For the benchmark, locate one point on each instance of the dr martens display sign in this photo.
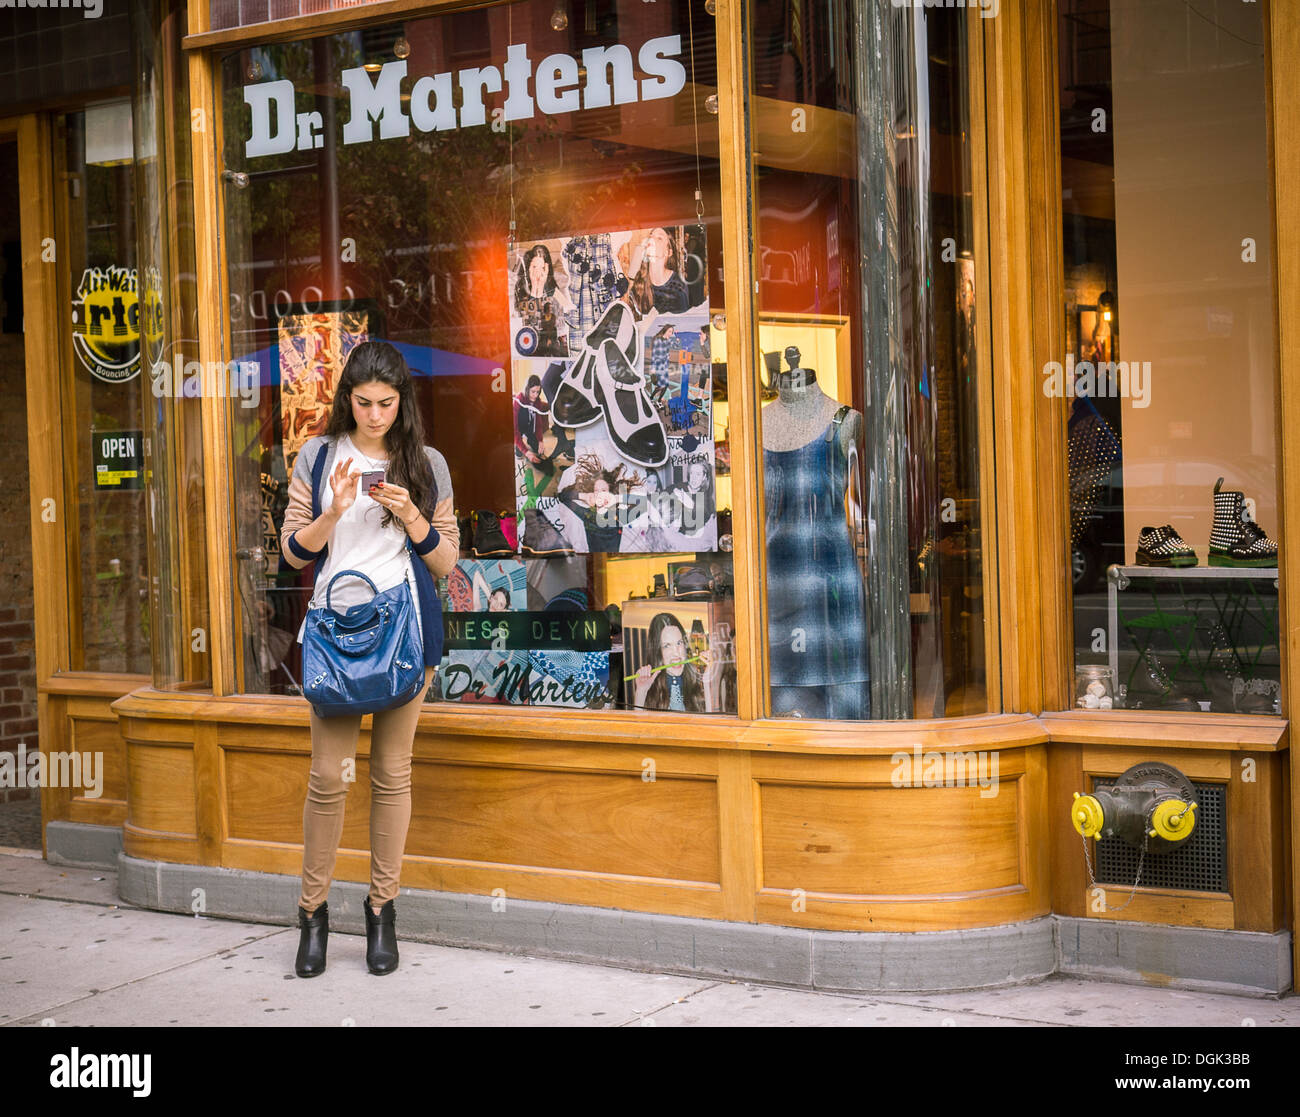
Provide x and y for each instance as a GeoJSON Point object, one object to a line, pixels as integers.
{"type": "Point", "coordinates": [559, 83]}
{"type": "Point", "coordinates": [109, 322]}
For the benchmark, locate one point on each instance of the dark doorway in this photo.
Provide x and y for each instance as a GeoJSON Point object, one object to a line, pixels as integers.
{"type": "Point", "coordinates": [20, 808]}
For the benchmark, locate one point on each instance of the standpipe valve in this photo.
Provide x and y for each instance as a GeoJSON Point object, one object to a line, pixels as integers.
{"type": "Point", "coordinates": [1151, 806]}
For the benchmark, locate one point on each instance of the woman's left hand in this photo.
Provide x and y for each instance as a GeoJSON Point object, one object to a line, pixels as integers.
{"type": "Point", "coordinates": [397, 500]}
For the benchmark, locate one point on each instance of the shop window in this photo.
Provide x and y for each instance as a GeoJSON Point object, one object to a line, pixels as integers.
{"type": "Point", "coordinates": [866, 270]}
{"type": "Point", "coordinates": [552, 287]}
{"type": "Point", "coordinates": [172, 423]}
{"type": "Point", "coordinates": [1168, 375]}
{"type": "Point", "coordinates": [109, 609]}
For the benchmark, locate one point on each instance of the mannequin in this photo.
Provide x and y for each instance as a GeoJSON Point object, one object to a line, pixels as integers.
{"type": "Point", "coordinates": [817, 633]}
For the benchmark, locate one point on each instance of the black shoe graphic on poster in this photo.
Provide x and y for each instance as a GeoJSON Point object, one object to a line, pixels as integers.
{"type": "Point", "coordinates": [575, 402]}
{"type": "Point", "coordinates": [634, 426]}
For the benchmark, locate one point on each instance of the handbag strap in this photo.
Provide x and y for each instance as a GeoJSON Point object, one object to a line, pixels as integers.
{"type": "Point", "coordinates": [343, 574]}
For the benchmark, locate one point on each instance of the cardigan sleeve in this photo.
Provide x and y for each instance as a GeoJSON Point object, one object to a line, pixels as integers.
{"type": "Point", "coordinates": [298, 515]}
{"type": "Point", "coordinates": [441, 557]}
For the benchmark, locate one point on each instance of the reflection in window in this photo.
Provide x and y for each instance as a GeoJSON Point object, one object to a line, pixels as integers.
{"type": "Point", "coordinates": [514, 206]}
{"type": "Point", "coordinates": [870, 422]}
{"type": "Point", "coordinates": [1169, 369]}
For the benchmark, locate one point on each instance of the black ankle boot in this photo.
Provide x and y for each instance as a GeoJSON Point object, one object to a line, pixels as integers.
{"type": "Point", "coordinates": [311, 946]}
{"type": "Point", "coordinates": [381, 938]}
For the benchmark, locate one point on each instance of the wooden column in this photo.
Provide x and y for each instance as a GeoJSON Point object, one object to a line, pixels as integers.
{"type": "Point", "coordinates": [212, 318]}
{"type": "Point", "coordinates": [1282, 46]}
{"type": "Point", "coordinates": [1028, 331]}
{"type": "Point", "coordinates": [738, 224]}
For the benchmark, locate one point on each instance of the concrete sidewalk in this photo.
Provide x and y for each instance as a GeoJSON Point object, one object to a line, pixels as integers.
{"type": "Point", "coordinates": [71, 952]}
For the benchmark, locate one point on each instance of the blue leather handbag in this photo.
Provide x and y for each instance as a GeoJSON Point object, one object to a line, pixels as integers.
{"type": "Point", "coordinates": [366, 660]}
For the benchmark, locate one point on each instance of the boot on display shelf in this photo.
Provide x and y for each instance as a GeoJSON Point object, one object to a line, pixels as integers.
{"type": "Point", "coordinates": [1235, 539]}
{"type": "Point", "coordinates": [1163, 546]}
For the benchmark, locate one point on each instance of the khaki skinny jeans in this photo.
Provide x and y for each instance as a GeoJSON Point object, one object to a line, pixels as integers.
{"type": "Point", "coordinates": [333, 741]}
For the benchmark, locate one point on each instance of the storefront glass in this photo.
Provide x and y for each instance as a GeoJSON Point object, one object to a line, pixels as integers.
{"type": "Point", "coordinates": [108, 322]}
{"type": "Point", "coordinates": [524, 200]}
{"type": "Point", "coordinates": [173, 442]}
{"type": "Point", "coordinates": [870, 380]}
{"type": "Point", "coordinates": [1169, 373]}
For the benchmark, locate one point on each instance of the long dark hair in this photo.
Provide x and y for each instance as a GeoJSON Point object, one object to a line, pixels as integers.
{"type": "Point", "coordinates": [407, 464]}
{"type": "Point", "coordinates": [521, 284]}
{"type": "Point", "coordinates": [590, 469]}
{"type": "Point", "coordinates": [659, 694]}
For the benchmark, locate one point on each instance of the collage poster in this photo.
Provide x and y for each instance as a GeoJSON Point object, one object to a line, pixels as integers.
{"type": "Point", "coordinates": [313, 348]}
{"type": "Point", "coordinates": [612, 380]}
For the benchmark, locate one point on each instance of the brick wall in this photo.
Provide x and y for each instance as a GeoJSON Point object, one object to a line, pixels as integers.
{"type": "Point", "coordinates": [17, 622]}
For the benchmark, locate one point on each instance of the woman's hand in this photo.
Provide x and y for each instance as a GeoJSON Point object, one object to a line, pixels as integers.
{"type": "Point", "coordinates": [343, 483]}
{"type": "Point", "coordinates": [397, 500]}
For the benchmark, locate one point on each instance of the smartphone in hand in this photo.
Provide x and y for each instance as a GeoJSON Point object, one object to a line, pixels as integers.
{"type": "Point", "coordinates": [370, 478]}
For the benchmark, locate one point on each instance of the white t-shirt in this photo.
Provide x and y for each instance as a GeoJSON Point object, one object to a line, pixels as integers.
{"type": "Point", "coordinates": [360, 543]}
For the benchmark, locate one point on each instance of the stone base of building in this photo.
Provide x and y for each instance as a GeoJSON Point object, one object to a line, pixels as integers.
{"type": "Point", "coordinates": [82, 845]}
{"type": "Point", "coordinates": [1234, 962]}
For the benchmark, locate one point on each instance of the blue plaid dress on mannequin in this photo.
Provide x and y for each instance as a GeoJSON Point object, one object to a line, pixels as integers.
{"type": "Point", "coordinates": [816, 607]}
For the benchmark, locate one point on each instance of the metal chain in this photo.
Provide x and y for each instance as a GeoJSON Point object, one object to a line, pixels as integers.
{"type": "Point", "coordinates": [695, 118]}
{"type": "Point", "coordinates": [1087, 860]}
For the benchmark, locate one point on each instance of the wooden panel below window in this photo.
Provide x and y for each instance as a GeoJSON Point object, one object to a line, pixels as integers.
{"type": "Point", "coordinates": [160, 786]}
{"type": "Point", "coordinates": [936, 842]}
{"type": "Point", "coordinates": [597, 822]}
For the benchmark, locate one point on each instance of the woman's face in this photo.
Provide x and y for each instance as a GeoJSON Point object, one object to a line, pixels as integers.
{"type": "Point", "coordinates": [534, 392]}
{"type": "Point", "coordinates": [374, 407]}
{"type": "Point", "coordinates": [537, 272]}
{"type": "Point", "coordinates": [672, 648]}
{"type": "Point", "coordinates": [497, 602]}
{"type": "Point", "coordinates": [662, 245]}
{"type": "Point", "coordinates": [601, 497]}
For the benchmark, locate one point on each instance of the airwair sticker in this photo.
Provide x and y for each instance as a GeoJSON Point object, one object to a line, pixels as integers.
{"type": "Point", "coordinates": [107, 322]}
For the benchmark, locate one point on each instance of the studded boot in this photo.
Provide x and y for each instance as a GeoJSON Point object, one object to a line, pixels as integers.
{"type": "Point", "coordinates": [1235, 539]}
{"type": "Point", "coordinates": [1163, 546]}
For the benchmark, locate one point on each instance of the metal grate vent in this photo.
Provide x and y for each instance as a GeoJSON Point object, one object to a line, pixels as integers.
{"type": "Point", "coordinates": [1200, 864]}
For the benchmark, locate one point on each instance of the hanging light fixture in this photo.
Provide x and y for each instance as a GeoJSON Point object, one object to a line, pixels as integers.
{"type": "Point", "coordinates": [560, 16]}
{"type": "Point", "coordinates": [402, 48]}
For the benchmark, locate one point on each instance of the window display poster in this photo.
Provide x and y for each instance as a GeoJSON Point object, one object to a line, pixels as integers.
{"type": "Point", "coordinates": [313, 347]}
{"type": "Point", "coordinates": [612, 384]}
{"type": "Point", "coordinates": [508, 653]}
{"type": "Point", "coordinates": [488, 674]}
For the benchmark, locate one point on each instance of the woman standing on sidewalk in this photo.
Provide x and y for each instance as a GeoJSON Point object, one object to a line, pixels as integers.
{"type": "Point", "coordinates": [374, 424]}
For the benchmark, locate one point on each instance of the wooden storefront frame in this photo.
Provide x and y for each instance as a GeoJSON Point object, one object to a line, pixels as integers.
{"type": "Point", "coordinates": [1019, 299]}
{"type": "Point", "coordinates": [1282, 49]}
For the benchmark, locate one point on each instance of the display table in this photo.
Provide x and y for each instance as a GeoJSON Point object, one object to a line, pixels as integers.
{"type": "Point", "coordinates": [1193, 627]}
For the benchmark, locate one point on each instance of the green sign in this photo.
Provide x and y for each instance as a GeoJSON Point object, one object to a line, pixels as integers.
{"type": "Point", "coordinates": [118, 458]}
{"type": "Point", "coordinates": [567, 630]}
